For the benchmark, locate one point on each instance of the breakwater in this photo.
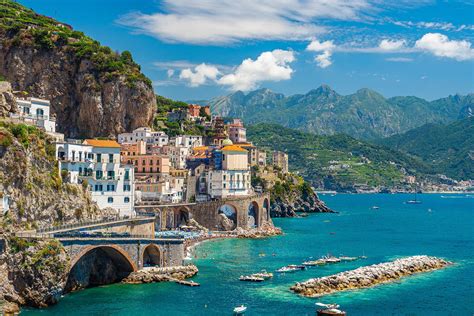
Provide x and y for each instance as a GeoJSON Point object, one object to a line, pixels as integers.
{"type": "Point", "coordinates": [157, 274]}
{"type": "Point", "coordinates": [368, 276]}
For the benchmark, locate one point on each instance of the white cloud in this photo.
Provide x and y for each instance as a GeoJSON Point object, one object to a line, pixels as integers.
{"type": "Point", "coordinates": [323, 60]}
{"type": "Point", "coordinates": [170, 73]}
{"type": "Point", "coordinates": [400, 59]}
{"type": "Point", "coordinates": [269, 66]}
{"type": "Point", "coordinates": [228, 21]}
{"type": "Point", "coordinates": [199, 75]}
{"type": "Point", "coordinates": [390, 45]}
{"type": "Point", "coordinates": [440, 45]}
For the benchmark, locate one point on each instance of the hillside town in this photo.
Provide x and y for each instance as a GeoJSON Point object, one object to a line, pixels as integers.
{"type": "Point", "coordinates": [147, 167]}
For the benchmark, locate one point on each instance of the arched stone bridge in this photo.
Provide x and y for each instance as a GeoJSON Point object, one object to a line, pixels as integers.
{"type": "Point", "coordinates": [244, 212]}
{"type": "Point", "coordinates": [96, 261]}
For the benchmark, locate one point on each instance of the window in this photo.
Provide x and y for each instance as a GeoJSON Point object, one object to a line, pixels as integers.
{"type": "Point", "coordinates": [98, 187]}
{"type": "Point", "coordinates": [98, 174]}
{"type": "Point", "coordinates": [39, 112]}
{"type": "Point", "coordinates": [26, 110]}
{"type": "Point", "coordinates": [111, 158]}
{"type": "Point", "coordinates": [224, 185]}
{"type": "Point", "coordinates": [143, 162]}
{"type": "Point", "coordinates": [126, 200]}
{"type": "Point", "coordinates": [224, 177]}
{"type": "Point", "coordinates": [143, 170]}
{"type": "Point", "coordinates": [110, 200]}
{"type": "Point", "coordinates": [151, 162]}
{"type": "Point", "coordinates": [126, 187]}
{"type": "Point", "coordinates": [127, 174]}
{"type": "Point", "coordinates": [99, 157]}
{"type": "Point", "coordinates": [223, 157]}
{"type": "Point", "coordinates": [110, 187]}
{"type": "Point", "coordinates": [110, 174]}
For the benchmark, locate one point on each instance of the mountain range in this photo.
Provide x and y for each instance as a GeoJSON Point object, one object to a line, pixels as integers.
{"type": "Point", "coordinates": [339, 162]}
{"type": "Point", "coordinates": [449, 149]}
{"type": "Point", "coordinates": [365, 114]}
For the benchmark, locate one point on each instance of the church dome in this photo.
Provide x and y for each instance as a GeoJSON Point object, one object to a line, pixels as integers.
{"type": "Point", "coordinates": [227, 142]}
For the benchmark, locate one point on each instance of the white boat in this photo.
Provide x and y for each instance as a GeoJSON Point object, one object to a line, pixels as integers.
{"type": "Point", "coordinates": [264, 275]}
{"type": "Point", "coordinates": [291, 268]}
{"type": "Point", "coordinates": [251, 278]}
{"type": "Point", "coordinates": [375, 207]}
{"type": "Point", "coordinates": [240, 309]}
{"type": "Point", "coordinates": [344, 258]}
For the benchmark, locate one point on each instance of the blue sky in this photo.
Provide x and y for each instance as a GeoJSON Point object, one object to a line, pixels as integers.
{"type": "Point", "coordinates": [201, 49]}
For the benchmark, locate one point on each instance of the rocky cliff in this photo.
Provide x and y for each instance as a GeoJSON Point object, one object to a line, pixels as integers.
{"type": "Point", "coordinates": [34, 272]}
{"type": "Point", "coordinates": [289, 207]}
{"type": "Point", "coordinates": [93, 90]}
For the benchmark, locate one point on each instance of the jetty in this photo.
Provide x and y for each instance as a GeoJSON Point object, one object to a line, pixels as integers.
{"type": "Point", "coordinates": [368, 276]}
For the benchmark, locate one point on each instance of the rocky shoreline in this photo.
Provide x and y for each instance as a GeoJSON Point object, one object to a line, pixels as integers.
{"type": "Point", "coordinates": [368, 276]}
{"type": "Point", "coordinates": [157, 274]}
{"type": "Point", "coordinates": [303, 203]}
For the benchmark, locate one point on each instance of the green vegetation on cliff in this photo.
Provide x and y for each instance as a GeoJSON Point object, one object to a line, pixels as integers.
{"type": "Point", "coordinates": [449, 149]}
{"type": "Point", "coordinates": [30, 177]}
{"type": "Point", "coordinates": [21, 24]}
{"type": "Point", "coordinates": [337, 162]}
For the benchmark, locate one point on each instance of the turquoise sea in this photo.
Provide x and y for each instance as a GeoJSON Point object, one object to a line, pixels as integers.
{"type": "Point", "coordinates": [443, 225]}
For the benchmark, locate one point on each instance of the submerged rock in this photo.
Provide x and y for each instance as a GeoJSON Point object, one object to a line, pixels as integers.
{"type": "Point", "coordinates": [368, 276]}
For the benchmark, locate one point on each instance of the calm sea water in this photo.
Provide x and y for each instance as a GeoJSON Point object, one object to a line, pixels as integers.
{"type": "Point", "coordinates": [442, 226]}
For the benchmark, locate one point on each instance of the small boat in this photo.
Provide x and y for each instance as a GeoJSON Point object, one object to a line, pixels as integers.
{"type": "Point", "coordinates": [329, 309]}
{"type": "Point", "coordinates": [240, 309]}
{"type": "Point", "coordinates": [318, 262]}
{"type": "Point", "coordinates": [344, 258]}
{"type": "Point", "coordinates": [362, 257]}
{"type": "Point", "coordinates": [264, 275]}
{"type": "Point", "coordinates": [414, 201]}
{"type": "Point", "coordinates": [332, 260]}
{"type": "Point", "coordinates": [291, 268]}
{"type": "Point", "coordinates": [251, 278]}
{"type": "Point", "coordinates": [375, 207]}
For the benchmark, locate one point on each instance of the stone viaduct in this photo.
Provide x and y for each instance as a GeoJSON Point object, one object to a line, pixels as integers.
{"type": "Point", "coordinates": [244, 212]}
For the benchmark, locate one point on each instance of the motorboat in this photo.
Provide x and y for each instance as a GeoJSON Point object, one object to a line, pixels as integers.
{"type": "Point", "coordinates": [311, 263]}
{"type": "Point", "coordinates": [344, 258]}
{"type": "Point", "coordinates": [240, 309]}
{"type": "Point", "coordinates": [329, 309]}
{"type": "Point", "coordinates": [251, 278]}
{"type": "Point", "coordinates": [375, 207]}
{"type": "Point", "coordinates": [291, 268]}
{"type": "Point", "coordinates": [264, 275]}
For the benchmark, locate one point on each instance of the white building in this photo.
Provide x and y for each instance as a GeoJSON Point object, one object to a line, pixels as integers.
{"type": "Point", "coordinates": [188, 141]}
{"type": "Point", "coordinates": [234, 178]}
{"type": "Point", "coordinates": [98, 162]}
{"type": "Point", "coordinates": [144, 134]}
{"type": "Point", "coordinates": [35, 112]}
{"type": "Point", "coordinates": [177, 155]}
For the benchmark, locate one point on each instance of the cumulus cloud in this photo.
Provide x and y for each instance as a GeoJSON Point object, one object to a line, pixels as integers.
{"type": "Point", "coordinates": [200, 75]}
{"type": "Point", "coordinates": [170, 73]}
{"type": "Point", "coordinates": [269, 66]}
{"type": "Point", "coordinates": [440, 45]}
{"type": "Point", "coordinates": [228, 21]}
{"type": "Point", "coordinates": [324, 59]}
{"type": "Point", "coordinates": [391, 45]}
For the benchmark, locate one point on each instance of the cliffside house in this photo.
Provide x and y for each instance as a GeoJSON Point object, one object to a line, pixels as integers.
{"type": "Point", "coordinates": [97, 163]}
{"type": "Point", "coordinates": [146, 135]}
{"type": "Point", "coordinates": [34, 111]}
{"type": "Point", "coordinates": [237, 132]}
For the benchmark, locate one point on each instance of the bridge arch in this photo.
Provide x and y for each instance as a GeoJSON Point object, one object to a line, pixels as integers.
{"type": "Point", "coordinates": [152, 256]}
{"type": "Point", "coordinates": [253, 215]}
{"type": "Point", "coordinates": [99, 265]}
{"type": "Point", "coordinates": [228, 217]}
{"type": "Point", "coordinates": [182, 216]}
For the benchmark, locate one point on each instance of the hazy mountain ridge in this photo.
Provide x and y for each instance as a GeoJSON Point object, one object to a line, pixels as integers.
{"type": "Point", "coordinates": [365, 114]}
{"type": "Point", "coordinates": [448, 148]}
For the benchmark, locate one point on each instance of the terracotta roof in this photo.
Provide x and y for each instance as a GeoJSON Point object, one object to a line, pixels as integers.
{"type": "Point", "coordinates": [201, 148]}
{"type": "Point", "coordinates": [102, 143]}
{"type": "Point", "coordinates": [233, 148]}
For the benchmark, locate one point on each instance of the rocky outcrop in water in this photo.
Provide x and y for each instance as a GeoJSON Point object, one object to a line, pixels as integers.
{"type": "Point", "coordinates": [165, 274]}
{"type": "Point", "coordinates": [309, 203]}
{"type": "Point", "coordinates": [369, 276]}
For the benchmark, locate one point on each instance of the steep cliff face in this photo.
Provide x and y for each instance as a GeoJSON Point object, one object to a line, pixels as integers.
{"type": "Point", "coordinates": [93, 90]}
{"type": "Point", "coordinates": [7, 99]}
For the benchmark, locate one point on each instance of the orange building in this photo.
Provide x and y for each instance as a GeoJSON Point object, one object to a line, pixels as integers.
{"type": "Point", "coordinates": [193, 110]}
